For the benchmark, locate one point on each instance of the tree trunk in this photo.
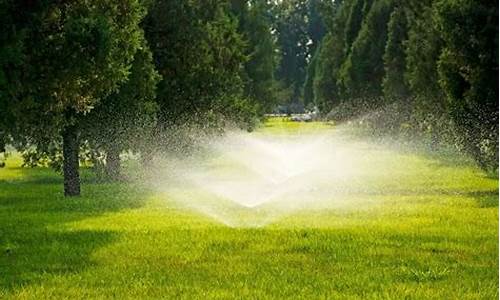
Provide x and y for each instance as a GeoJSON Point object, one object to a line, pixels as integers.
{"type": "Point", "coordinates": [71, 162]}
{"type": "Point", "coordinates": [113, 164]}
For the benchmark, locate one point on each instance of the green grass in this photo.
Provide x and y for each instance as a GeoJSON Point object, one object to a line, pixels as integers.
{"type": "Point", "coordinates": [431, 231]}
{"type": "Point", "coordinates": [283, 125]}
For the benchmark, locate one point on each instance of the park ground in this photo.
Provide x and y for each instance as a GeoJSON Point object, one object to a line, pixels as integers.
{"type": "Point", "coordinates": [433, 234]}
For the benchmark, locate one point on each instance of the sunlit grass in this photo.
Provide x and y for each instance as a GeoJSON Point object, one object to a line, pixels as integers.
{"type": "Point", "coordinates": [428, 229]}
{"type": "Point", "coordinates": [283, 125]}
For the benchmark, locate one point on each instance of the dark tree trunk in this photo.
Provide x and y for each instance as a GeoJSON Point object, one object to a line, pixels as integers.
{"type": "Point", "coordinates": [71, 162]}
{"type": "Point", "coordinates": [113, 164]}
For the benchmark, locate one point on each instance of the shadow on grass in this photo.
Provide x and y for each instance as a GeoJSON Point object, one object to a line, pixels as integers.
{"type": "Point", "coordinates": [485, 199]}
{"type": "Point", "coordinates": [41, 253]}
{"type": "Point", "coordinates": [44, 175]}
{"type": "Point", "coordinates": [34, 242]}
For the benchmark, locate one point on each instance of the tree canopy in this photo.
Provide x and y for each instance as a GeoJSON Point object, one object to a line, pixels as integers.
{"type": "Point", "coordinates": [96, 78]}
{"type": "Point", "coordinates": [438, 57]}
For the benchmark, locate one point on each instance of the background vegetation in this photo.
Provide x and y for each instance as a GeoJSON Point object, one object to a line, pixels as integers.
{"type": "Point", "coordinates": [88, 80]}
{"type": "Point", "coordinates": [425, 70]}
{"type": "Point", "coordinates": [85, 83]}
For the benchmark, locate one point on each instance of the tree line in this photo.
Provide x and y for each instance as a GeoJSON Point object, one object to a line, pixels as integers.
{"type": "Point", "coordinates": [90, 79]}
{"type": "Point", "coordinates": [432, 65]}
{"type": "Point", "coordinates": [87, 80]}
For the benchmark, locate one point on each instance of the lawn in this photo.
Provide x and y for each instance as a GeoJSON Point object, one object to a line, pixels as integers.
{"type": "Point", "coordinates": [423, 228]}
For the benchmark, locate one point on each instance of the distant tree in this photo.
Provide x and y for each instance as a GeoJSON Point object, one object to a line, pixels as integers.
{"type": "Point", "coordinates": [11, 58]}
{"type": "Point", "coordinates": [309, 81]}
{"type": "Point", "coordinates": [422, 49]}
{"type": "Point", "coordinates": [318, 11]}
{"type": "Point", "coordinates": [70, 56]}
{"type": "Point", "coordinates": [440, 56]}
{"type": "Point", "coordinates": [316, 27]}
{"type": "Point", "coordinates": [329, 57]}
{"type": "Point", "coordinates": [324, 85]}
{"type": "Point", "coordinates": [255, 26]}
{"type": "Point", "coordinates": [291, 23]}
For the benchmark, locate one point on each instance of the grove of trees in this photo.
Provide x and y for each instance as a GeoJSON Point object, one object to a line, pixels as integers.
{"type": "Point", "coordinates": [90, 79]}
{"type": "Point", "coordinates": [431, 65]}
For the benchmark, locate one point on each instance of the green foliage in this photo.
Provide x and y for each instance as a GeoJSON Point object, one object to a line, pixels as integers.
{"type": "Point", "coordinates": [328, 58]}
{"type": "Point", "coordinates": [70, 57]}
{"type": "Point", "coordinates": [422, 49]}
{"type": "Point", "coordinates": [394, 86]}
{"type": "Point", "coordinates": [468, 73]}
{"type": "Point", "coordinates": [125, 119]}
{"type": "Point", "coordinates": [316, 28]}
{"type": "Point", "coordinates": [437, 59]}
{"type": "Point", "coordinates": [10, 59]}
{"type": "Point", "coordinates": [255, 27]}
{"type": "Point", "coordinates": [66, 58]}
{"type": "Point", "coordinates": [357, 10]}
{"type": "Point", "coordinates": [199, 54]}
{"type": "Point", "coordinates": [291, 22]}
{"type": "Point", "coordinates": [324, 85]}
{"type": "Point", "coordinates": [363, 70]}
{"type": "Point", "coordinates": [308, 92]}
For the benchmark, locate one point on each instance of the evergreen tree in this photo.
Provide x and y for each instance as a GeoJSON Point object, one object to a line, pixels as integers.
{"type": "Point", "coordinates": [293, 41]}
{"type": "Point", "coordinates": [316, 28]}
{"type": "Point", "coordinates": [200, 55]}
{"type": "Point", "coordinates": [71, 55]}
{"type": "Point", "coordinates": [125, 119]}
{"type": "Point", "coordinates": [363, 70]}
{"type": "Point", "coordinates": [328, 58]}
{"type": "Point", "coordinates": [255, 27]}
{"type": "Point", "coordinates": [394, 57]}
{"type": "Point", "coordinates": [309, 81]}
{"type": "Point", "coordinates": [422, 50]}
{"type": "Point", "coordinates": [325, 87]}
{"type": "Point", "coordinates": [355, 13]}
{"type": "Point", "coordinates": [468, 73]}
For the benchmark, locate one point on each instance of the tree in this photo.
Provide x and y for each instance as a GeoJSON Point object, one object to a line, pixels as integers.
{"type": "Point", "coordinates": [363, 70]}
{"type": "Point", "coordinates": [394, 57]}
{"type": "Point", "coordinates": [316, 28]}
{"type": "Point", "coordinates": [254, 24]}
{"type": "Point", "coordinates": [309, 81]}
{"type": "Point", "coordinates": [70, 55]}
{"type": "Point", "coordinates": [321, 83]}
{"type": "Point", "coordinates": [355, 12]}
{"type": "Point", "coordinates": [10, 61]}
{"type": "Point", "coordinates": [468, 73]}
{"type": "Point", "coordinates": [422, 50]}
{"type": "Point", "coordinates": [200, 55]}
{"type": "Point", "coordinates": [291, 23]}
{"type": "Point", "coordinates": [125, 119]}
